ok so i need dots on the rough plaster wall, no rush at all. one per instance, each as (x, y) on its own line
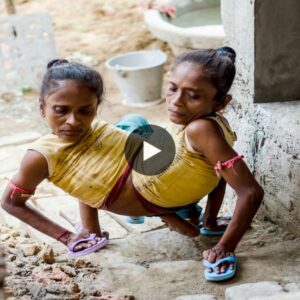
(268, 134)
(278, 35)
(277, 161)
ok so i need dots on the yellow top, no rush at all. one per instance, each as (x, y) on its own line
(87, 169)
(190, 177)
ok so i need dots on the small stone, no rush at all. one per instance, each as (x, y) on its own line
(47, 254)
(108, 10)
(80, 263)
(251, 290)
(46, 268)
(19, 264)
(272, 229)
(8, 97)
(11, 244)
(12, 257)
(59, 275)
(289, 237)
(68, 270)
(258, 243)
(35, 261)
(105, 10)
(15, 233)
(29, 249)
(4, 237)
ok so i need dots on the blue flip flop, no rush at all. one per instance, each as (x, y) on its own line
(139, 220)
(208, 232)
(214, 276)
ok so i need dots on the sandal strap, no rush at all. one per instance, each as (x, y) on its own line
(207, 264)
(91, 237)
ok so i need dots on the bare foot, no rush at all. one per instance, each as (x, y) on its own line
(218, 225)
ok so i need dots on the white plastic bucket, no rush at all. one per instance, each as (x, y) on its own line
(139, 76)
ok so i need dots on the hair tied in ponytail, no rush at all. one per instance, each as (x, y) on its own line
(228, 52)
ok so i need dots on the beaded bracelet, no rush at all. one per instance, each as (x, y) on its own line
(228, 164)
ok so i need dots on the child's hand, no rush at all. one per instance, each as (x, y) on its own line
(216, 253)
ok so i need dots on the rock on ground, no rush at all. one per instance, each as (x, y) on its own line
(251, 290)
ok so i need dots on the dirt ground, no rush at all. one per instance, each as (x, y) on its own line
(94, 30)
(153, 265)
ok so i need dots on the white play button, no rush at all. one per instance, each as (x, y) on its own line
(149, 151)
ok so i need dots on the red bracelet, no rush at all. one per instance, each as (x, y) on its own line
(61, 235)
(22, 191)
(226, 164)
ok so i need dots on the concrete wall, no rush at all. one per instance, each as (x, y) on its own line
(277, 50)
(268, 134)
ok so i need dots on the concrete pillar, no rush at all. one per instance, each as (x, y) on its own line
(277, 50)
(269, 133)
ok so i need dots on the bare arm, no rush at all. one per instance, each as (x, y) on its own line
(89, 218)
(214, 202)
(33, 170)
(205, 137)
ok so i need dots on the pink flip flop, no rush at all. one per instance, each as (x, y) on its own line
(101, 243)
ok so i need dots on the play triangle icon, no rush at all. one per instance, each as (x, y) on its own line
(149, 151)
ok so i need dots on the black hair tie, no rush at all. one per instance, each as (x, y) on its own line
(228, 52)
(56, 62)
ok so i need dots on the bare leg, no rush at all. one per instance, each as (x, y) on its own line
(180, 225)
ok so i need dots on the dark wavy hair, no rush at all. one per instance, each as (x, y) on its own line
(218, 64)
(61, 69)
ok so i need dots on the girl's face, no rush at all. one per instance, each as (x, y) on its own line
(70, 109)
(189, 94)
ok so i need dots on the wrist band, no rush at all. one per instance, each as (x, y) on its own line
(61, 235)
